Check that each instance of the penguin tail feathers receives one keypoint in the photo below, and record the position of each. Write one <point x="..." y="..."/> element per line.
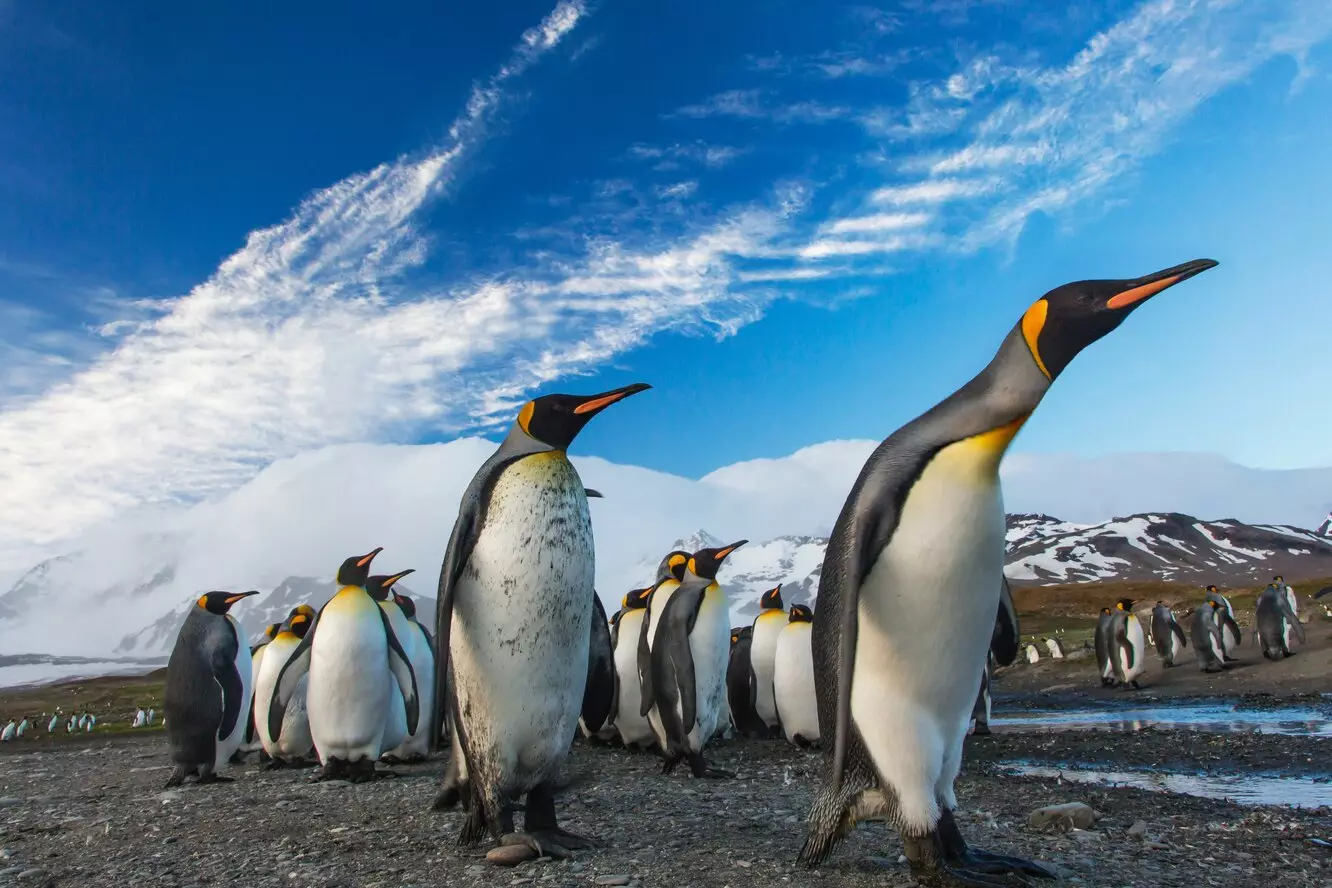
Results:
<point x="830" y="820"/>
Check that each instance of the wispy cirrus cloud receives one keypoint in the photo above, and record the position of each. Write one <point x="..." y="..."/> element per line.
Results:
<point x="755" y="104"/>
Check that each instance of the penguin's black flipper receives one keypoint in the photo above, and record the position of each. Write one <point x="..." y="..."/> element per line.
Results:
<point x="599" y="693"/>
<point x="1122" y="642"/>
<point x="680" y="616"/>
<point x="233" y="688"/>
<point x="1004" y="641"/>
<point x="1228" y="622"/>
<point x="1289" y="614"/>
<point x="1179" y="632"/>
<point x="401" y="666"/>
<point x="297" y="665"/>
<point x="430" y="642"/>
<point x="1323" y="592"/>
<point x="645" y="688"/>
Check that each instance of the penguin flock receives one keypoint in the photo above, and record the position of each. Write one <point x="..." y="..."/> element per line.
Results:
<point x="887" y="677"/>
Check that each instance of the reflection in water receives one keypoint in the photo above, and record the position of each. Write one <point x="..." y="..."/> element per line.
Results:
<point x="1211" y="717"/>
<point x="1298" y="792"/>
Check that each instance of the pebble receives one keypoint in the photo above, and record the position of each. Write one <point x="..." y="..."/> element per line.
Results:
<point x="1138" y="830"/>
<point x="611" y="880"/>
<point x="510" y="855"/>
<point x="34" y="873"/>
<point x="8" y="802"/>
<point x="1068" y="815"/>
<point x="11" y="871"/>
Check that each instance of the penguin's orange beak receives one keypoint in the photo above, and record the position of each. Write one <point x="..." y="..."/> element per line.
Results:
<point x="370" y="557"/>
<point x="232" y="599"/>
<point x="723" y="552"/>
<point x="597" y="403"/>
<point x="1149" y="285"/>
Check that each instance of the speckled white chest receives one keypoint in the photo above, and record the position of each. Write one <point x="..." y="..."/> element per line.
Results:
<point x="521" y="620"/>
<point x="349" y="684"/>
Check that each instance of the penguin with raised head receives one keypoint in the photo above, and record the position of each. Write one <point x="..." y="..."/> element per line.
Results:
<point x="632" y="726"/>
<point x="1225" y="621"/>
<point x="208" y="687"/>
<point x="1277" y="623"/>
<point x="1128" y="646"/>
<point x="1167" y="634"/>
<point x="355" y="665"/>
<point x="741" y="689"/>
<point x="910" y="583"/>
<point x="251" y="743"/>
<point x="770" y="623"/>
<point x="595" y="721"/>
<point x="1205" y="633"/>
<point x="401" y="744"/>
<point x="1105" y="625"/>
<point x="793" y="679"/>
<point x="422" y="654"/>
<point x="295" y="744"/>
<point x="689" y="656"/>
<point x="669" y="574"/>
<point x="513" y="625"/>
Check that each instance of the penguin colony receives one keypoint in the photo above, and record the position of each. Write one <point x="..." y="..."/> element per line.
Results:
<point x="887" y="677"/>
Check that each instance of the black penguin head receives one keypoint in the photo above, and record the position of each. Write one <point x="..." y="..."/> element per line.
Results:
<point x="221" y="602"/>
<point x="1211" y="588"/>
<point x="673" y="565"/>
<point x="273" y="629"/>
<point x="1105" y="610"/>
<point x="1160" y="604"/>
<point x="299" y="623"/>
<point x="356" y="569"/>
<point x="637" y="598"/>
<point x="741" y="633"/>
<point x="801" y="613"/>
<point x="1125" y="604"/>
<point x="706" y="562"/>
<point x="1278" y="578"/>
<point x="406" y="604"/>
<point x="772" y="599"/>
<point x="1213" y="603"/>
<point x="379" y="586"/>
<point x="1069" y="318"/>
<point x="555" y="420"/>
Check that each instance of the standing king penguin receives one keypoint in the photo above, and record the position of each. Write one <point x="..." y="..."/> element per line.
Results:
<point x="770" y="623"/>
<point x="598" y="709"/>
<point x="1225" y="621"/>
<point x="355" y="665"/>
<point x="1105" y="625"/>
<point x="631" y="725"/>
<point x="296" y="743"/>
<point x="208" y="688"/>
<point x="422" y="653"/>
<point x="669" y="574"/>
<point x="1128" y="645"/>
<point x="399" y="743"/>
<point x="1277" y="623"/>
<point x="1167" y="633"/>
<point x="910" y="585"/>
<point x="793" y="679"/>
<point x="689" y="658"/>
<point x="741" y="691"/>
<point x="513" y="623"/>
<point x="1004" y="642"/>
<point x="1205" y="632"/>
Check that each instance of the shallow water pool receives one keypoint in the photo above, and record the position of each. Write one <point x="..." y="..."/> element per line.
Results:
<point x="1220" y="718"/>
<point x="1297" y="792"/>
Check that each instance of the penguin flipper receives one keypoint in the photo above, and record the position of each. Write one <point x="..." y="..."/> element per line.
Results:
<point x="1289" y="614"/>
<point x="233" y="688"/>
<point x="1179" y="632"/>
<point x="681" y="615"/>
<point x="1004" y="642"/>
<point x="645" y="664"/>
<point x="1228" y="622"/>
<point x="1122" y="643"/>
<point x="1323" y="592"/>
<point x="296" y="667"/>
<point x="401" y="666"/>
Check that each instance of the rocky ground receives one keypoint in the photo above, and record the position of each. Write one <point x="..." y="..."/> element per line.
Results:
<point x="96" y="814"/>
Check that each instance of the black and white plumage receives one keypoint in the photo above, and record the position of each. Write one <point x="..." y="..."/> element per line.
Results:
<point x="1205" y="633"/>
<point x="1277" y="622"/>
<point x="910" y="584"/>
<point x="597" y="718"/>
<point x="1231" y="637"/>
<point x="741" y="689"/>
<point x="1167" y="634"/>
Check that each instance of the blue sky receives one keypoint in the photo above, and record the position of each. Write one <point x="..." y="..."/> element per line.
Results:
<point x="234" y="234"/>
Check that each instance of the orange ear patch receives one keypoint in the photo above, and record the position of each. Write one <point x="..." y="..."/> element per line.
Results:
<point x="1033" y="322"/>
<point x="525" y="416"/>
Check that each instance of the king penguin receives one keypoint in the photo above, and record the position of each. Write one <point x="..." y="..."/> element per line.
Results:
<point x="251" y="743"/>
<point x="770" y="623"/>
<point x="1128" y="646"/>
<point x="355" y="665"/>
<point x="208" y="687"/>
<point x="1225" y="621"/>
<point x="1205" y="632"/>
<point x="1104" y="632"/>
<point x="689" y="655"/>
<point x="596" y="718"/>
<point x="513" y="624"/>
<point x="741" y="691"/>
<point x="1277" y="623"/>
<point x="422" y="654"/>
<point x="793" y="679"/>
<point x="669" y="574"/>
<point x="1004" y="642"/>
<point x="1167" y="633"/>
<point x="910" y="584"/>
<point x="631" y="725"/>
<point x="295" y="744"/>
<point x="401" y="744"/>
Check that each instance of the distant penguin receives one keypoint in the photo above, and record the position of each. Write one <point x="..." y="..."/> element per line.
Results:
<point x="1167" y="634"/>
<point x="207" y="689"/>
<point x="770" y="623"/>
<point x="632" y="727"/>
<point x="669" y="574"/>
<point x="152" y="713"/>
<point x="741" y="689"/>
<point x="596" y="718"/>
<point x="294" y="743"/>
<point x="422" y="654"/>
<point x="397" y="736"/>
<point x="689" y="659"/>
<point x="1033" y="655"/>
<point x="1054" y="647"/>
<point x="982" y="708"/>
<point x="1225" y="620"/>
<point x="9" y="732"/>
<point x="1105" y="625"/>
<point x="1289" y="593"/>
<point x="140" y="719"/>
<point x="512" y="624"/>
<point x="1205" y="633"/>
<point x="910" y="582"/>
<point x="1277" y="623"/>
<point x="793" y="679"/>
<point x="356" y="665"/>
<point x="22" y="727"/>
<point x="1003" y="652"/>
<point x="54" y="723"/>
<point x="1128" y="644"/>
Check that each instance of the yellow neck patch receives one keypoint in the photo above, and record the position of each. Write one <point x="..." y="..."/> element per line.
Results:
<point x="525" y="416"/>
<point x="1033" y="322"/>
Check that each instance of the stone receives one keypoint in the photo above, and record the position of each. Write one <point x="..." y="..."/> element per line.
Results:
<point x="510" y="855"/>
<point x="32" y="874"/>
<point x="8" y="802"/>
<point x="1138" y="830"/>
<point x="1070" y="815"/>
<point x="611" y="880"/>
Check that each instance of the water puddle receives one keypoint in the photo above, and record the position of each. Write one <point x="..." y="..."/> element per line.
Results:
<point x="1219" y="718"/>
<point x="1297" y="792"/>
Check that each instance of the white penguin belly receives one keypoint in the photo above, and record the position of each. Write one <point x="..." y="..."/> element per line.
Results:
<point x="423" y="665"/>
<point x="349" y="683"/>
<point x="926" y="614"/>
<point x="793" y="683"/>
<point x="1137" y="641"/>
<point x="710" y="647"/>
<point x="1175" y="645"/>
<point x="295" y="739"/>
<point x="1230" y="639"/>
<point x="521" y="621"/>
<point x="245" y="669"/>
<point x="633" y="727"/>
<point x="656" y="606"/>
<point x="396" y="736"/>
<point x="768" y="627"/>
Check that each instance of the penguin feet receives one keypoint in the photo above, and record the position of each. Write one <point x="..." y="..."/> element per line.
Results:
<point x="700" y="768"/>
<point x="333" y="769"/>
<point x="177" y="777"/>
<point x="982" y="730"/>
<point x="944" y="858"/>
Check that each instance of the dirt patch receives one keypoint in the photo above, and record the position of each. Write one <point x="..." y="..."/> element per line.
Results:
<point x="98" y="815"/>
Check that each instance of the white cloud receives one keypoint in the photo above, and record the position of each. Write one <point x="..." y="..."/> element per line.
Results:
<point x="302" y="516"/>
<point x="878" y="222"/>
<point x="677" y="190"/>
<point x="751" y="104"/>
